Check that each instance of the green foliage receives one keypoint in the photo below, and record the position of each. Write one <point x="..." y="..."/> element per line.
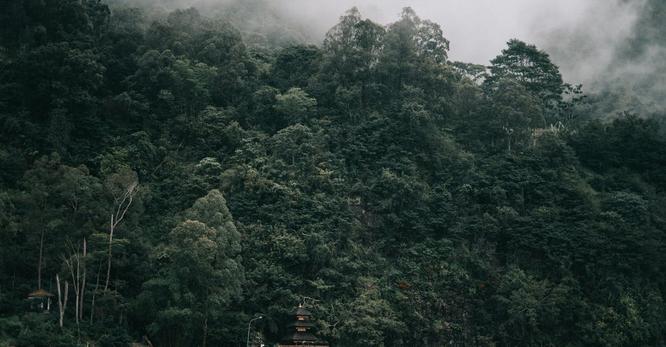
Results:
<point x="295" y="106"/>
<point x="405" y="199"/>
<point x="531" y="68"/>
<point x="200" y="273"/>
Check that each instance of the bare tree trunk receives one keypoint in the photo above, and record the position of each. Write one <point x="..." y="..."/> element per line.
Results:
<point x="77" y="287"/>
<point x="109" y="256"/>
<point x="62" y="301"/>
<point x="75" y="262"/>
<point x="92" y="302"/>
<point x="123" y="205"/>
<point x="39" y="262"/>
<point x="83" y="280"/>
<point x="74" y="270"/>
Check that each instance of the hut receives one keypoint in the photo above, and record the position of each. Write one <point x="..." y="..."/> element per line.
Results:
<point x="40" y="300"/>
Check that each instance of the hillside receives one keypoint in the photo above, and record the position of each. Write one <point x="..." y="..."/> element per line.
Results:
<point x="180" y="176"/>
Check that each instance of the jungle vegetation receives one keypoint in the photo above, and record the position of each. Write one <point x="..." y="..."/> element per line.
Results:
<point x="178" y="176"/>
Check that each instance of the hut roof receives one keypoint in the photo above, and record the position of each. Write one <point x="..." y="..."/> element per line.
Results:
<point x="40" y="293"/>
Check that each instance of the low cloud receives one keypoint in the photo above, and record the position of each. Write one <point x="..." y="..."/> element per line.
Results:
<point x="585" y="38"/>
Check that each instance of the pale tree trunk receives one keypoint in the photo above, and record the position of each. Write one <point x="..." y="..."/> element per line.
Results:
<point x="77" y="290"/>
<point x="62" y="300"/>
<point x="83" y="279"/>
<point x="92" y="302"/>
<point x="77" y="269"/>
<point x="109" y="254"/>
<point x="116" y="218"/>
<point x="74" y="268"/>
<point x="39" y="262"/>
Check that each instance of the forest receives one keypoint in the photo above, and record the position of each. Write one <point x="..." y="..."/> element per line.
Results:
<point x="168" y="176"/>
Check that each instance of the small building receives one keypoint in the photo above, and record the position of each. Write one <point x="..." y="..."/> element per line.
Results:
<point x="40" y="300"/>
<point x="300" y="331"/>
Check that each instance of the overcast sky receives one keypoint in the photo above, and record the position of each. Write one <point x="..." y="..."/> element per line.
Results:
<point x="477" y="28"/>
<point x="579" y="34"/>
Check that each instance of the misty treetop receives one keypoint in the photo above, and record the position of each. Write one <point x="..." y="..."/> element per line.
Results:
<point x="167" y="176"/>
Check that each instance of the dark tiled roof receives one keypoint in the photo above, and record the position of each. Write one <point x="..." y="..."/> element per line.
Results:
<point x="301" y="323"/>
<point x="302" y="338"/>
<point x="300" y="311"/>
<point x="298" y="336"/>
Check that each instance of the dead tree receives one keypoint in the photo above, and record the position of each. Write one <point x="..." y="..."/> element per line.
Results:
<point x="83" y="279"/>
<point x="77" y="269"/>
<point x="40" y="260"/>
<point x="92" y="302"/>
<point x="62" y="300"/>
<point x="122" y="204"/>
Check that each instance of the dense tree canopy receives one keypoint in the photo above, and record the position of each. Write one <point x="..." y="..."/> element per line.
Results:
<point x="180" y="176"/>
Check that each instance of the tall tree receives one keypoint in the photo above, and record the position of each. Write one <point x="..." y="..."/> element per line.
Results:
<point x="530" y="67"/>
<point x="200" y="272"/>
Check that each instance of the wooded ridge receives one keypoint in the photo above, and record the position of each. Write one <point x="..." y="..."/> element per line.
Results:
<point x="166" y="177"/>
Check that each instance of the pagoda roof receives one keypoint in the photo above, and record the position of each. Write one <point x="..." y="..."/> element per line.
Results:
<point x="301" y="324"/>
<point x="304" y="337"/>
<point x="299" y="337"/>
<point x="301" y="311"/>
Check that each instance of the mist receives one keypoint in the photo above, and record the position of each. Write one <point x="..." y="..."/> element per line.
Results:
<point x="614" y="47"/>
<point x="588" y="39"/>
<point x="477" y="29"/>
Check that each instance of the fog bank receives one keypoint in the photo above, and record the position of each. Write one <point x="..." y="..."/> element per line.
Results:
<point x="588" y="39"/>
